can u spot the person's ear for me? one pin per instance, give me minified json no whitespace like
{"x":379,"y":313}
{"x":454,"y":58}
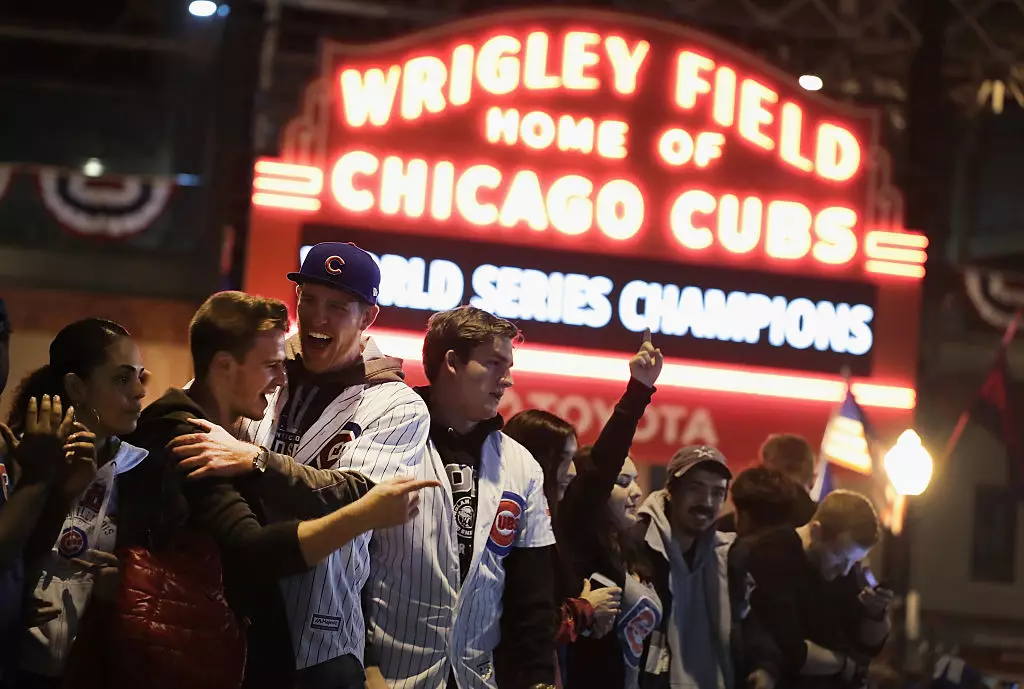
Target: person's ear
{"x":76,"y":390}
{"x":223,"y":364}
{"x":817,"y":535}
{"x":369,"y":316}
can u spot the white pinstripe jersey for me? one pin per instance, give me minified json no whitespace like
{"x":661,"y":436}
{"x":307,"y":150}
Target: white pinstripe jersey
{"x":377,"y":430}
{"x":421,"y":623}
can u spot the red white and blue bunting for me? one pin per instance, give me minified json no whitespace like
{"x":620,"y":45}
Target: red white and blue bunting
{"x":996,"y":295}
{"x":103,"y":207}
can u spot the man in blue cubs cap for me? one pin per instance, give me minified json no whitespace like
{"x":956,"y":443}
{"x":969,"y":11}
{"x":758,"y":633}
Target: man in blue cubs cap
{"x":345,"y":407}
{"x":338,"y":285}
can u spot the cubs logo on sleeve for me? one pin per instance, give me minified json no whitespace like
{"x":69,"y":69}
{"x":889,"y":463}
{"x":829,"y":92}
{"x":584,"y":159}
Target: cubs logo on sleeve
{"x":634,"y":626}
{"x":506,"y":523}
{"x":330,"y":455}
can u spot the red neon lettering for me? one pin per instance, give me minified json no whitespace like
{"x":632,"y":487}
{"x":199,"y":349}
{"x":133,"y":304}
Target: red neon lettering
{"x":723,"y":109}
{"x":369,"y":96}
{"x":343,"y":180}
{"x":837,"y":152}
{"x":577,"y":58}
{"x":460,"y":83}
{"x":626,"y":62}
{"x":467,"y":188}
{"x":786,"y":227}
{"x":535,"y":64}
{"x":442,"y":191}
{"x":788,"y":234}
{"x":838,"y":242}
{"x":497,"y":68}
{"x":502,"y":65}
{"x":524,"y":202}
{"x":423,"y":78}
{"x":690,"y":203}
{"x":739,"y":232}
{"x":611,"y":139}
{"x":575,"y":135}
{"x":690,"y":82}
{"x":753,"y":114}
{"x":620,"y":209}
{"x":790,"y":135}
{"x":403,"y":187}
{"x":538,"y":130}
{"x":677,"y":148}
{"x":571,"y":204}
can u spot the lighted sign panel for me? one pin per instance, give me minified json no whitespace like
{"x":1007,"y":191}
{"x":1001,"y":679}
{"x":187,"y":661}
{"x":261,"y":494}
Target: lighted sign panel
{"x":612,"y":134}
{"x":604,"y":302}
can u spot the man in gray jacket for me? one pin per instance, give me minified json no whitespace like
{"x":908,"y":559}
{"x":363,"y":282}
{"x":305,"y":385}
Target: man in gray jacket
{"x":703,"y":585}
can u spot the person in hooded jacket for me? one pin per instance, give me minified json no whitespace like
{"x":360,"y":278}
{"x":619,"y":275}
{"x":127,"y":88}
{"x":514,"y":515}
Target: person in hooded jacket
{"x":345,"y":407}
{"x":706,"y":638}
{"x":475,"y":567}
{"x":281,"y":518}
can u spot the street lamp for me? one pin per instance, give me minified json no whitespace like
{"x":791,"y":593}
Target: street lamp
{"x":909,"y":465}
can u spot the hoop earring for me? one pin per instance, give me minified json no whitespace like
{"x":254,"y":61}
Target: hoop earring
{"x":90,"y":413}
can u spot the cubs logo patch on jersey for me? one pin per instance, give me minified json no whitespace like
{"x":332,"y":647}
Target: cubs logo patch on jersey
{"x":330,"y":455}
{"x":73,"y":542}
{"x":506,"y":523}
{"x":635,"y":626}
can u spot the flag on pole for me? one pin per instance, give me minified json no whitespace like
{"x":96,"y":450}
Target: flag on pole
{"x":845,"y":444}
{"x":846,"y":437}
{"x":995,"y":409}
{"x":822,"y":479}
{"x":848,"y":442}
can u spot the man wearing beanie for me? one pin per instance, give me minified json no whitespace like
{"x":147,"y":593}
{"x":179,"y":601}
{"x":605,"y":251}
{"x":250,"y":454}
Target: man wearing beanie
{"x":707,"y":639}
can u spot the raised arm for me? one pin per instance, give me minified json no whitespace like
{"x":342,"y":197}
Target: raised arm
{"x":392,"y":442}
{"x":594,"y":481}
{"x":286,"y":547}
{"x":37,"y":455}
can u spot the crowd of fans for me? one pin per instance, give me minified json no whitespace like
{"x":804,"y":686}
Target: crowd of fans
{"x":298,"y":516}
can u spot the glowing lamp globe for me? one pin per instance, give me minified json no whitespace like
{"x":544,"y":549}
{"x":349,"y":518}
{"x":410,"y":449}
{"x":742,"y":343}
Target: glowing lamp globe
{"x":811,"y":82}
{"x":202,"y":8}
{"x":909,"y":465}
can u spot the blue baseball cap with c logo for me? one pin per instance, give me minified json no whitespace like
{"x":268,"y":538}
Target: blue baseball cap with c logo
{"x":341,"y":265}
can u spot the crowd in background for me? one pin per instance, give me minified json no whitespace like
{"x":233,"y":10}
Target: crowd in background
{"x":298,"y":516}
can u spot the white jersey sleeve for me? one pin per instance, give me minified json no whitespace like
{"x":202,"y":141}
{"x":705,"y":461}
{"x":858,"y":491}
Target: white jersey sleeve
{"x":394,"y":440}
{"x":535,"y":525}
